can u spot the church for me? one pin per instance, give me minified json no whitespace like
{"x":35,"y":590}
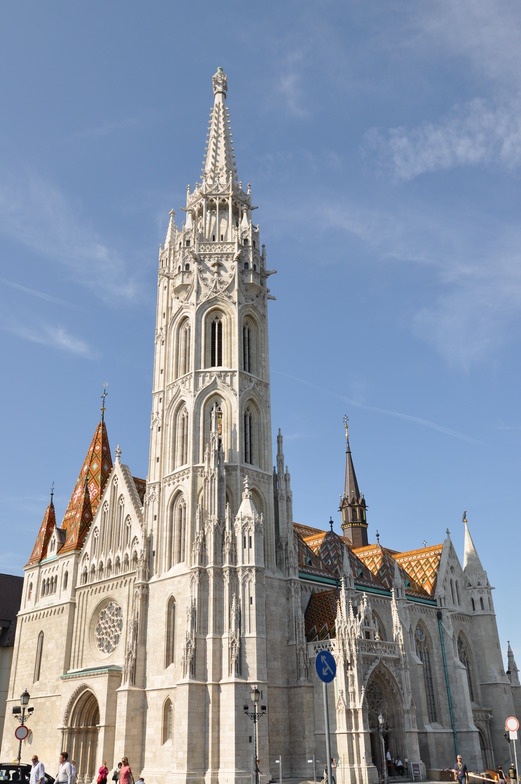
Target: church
{"x":157,"y":608}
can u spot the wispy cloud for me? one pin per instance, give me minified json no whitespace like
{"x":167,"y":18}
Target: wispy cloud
{"x":53,"y":337}
{"x":384,"y":411}
{"x":472,"y":134}
{"x":39,"y":215}
{"x":289,"y":84}
{"x":35,"y":293}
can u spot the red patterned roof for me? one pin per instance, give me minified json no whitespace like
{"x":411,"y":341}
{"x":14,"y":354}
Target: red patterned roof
{"x":422,"y":565}
{"x":320,"y":616}
{"x":42,"y":540}
{"x":380,"y":561}
{"x":87,"y":492}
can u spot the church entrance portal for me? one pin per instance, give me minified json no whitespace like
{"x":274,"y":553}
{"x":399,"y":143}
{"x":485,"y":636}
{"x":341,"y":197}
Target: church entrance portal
{"x":385,"y":719}
{"x":81,"y":736}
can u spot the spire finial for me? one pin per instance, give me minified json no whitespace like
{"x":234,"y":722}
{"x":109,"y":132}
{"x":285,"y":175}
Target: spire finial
{"x":464,"y":518}
{"x":331,"y":523}
{"x":378,"y":537}
{"x":104,"y":395}
{"x":346,"y":420}
{"x":219,"y":82}
{"x":52,"y":494}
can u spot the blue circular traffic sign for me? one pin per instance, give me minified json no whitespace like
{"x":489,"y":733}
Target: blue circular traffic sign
{"x":325,"y":666}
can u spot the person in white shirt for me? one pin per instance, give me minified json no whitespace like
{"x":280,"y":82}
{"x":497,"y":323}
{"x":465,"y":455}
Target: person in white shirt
{"x":64,"y":775}
{"x":37,"y":771}
{"x":73,"y":771}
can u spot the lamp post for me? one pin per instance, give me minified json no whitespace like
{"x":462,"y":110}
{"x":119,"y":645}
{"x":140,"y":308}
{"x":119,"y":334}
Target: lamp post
{"x":381,"y":728}
{"x":20,"y":733}
{"x":254,"y":715}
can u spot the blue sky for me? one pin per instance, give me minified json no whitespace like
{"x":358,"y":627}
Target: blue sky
{"x":383,"y":144}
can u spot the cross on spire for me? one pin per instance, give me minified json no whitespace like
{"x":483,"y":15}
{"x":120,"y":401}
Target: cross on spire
{"x":104,"y":395}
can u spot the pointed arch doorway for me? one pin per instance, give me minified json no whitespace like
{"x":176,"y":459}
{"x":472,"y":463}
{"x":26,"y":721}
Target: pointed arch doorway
{"x":81,"y":735}
{"x":385,"y":718}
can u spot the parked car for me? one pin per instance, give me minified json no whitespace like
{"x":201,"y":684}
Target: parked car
{"x":18,"y":774}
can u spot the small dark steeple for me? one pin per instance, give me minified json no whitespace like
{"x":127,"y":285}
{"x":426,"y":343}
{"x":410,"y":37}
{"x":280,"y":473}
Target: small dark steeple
{"x":352,"y":505}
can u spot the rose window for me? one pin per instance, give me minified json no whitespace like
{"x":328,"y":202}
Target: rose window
{"x":109,"y":626}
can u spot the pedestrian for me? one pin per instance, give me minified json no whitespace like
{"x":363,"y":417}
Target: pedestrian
{"x":398,"y":766}
{"x":500,"y":774}
{"x":103,"y":772}
{"x":73,"y":771}
{"x":115,"y":775}
{"x":64,"y":775}
{"x":37,"y":775}
{"x":140,"y":780}
{"x":461,"y":773}
{"x":125,"y":774}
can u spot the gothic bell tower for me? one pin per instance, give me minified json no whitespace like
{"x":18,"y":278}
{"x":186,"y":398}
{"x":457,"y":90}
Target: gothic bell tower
{"x":215,"y":559}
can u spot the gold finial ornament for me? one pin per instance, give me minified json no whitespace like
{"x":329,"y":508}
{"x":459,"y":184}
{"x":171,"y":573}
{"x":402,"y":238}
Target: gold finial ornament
{"x":464,"y":518}
{"x":346,"y":420}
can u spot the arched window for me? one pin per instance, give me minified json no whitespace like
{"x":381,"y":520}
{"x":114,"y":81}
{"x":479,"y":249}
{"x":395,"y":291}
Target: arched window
{"x":170,"y":632}
{"x":246,"y":348}
{"x":457,"y":591}
{"x":65,"y":580}
{"x":30,"y":592}
{"x":84,"y":576}
{"x":177,"y":532}
{"x":168,"y":715}
{"x":423,"y":652}
{"x":248,"y":436}
{"x":452,"y":591}
{"x":181,"y":438}
{"x":216,"y":341}
{"x":183,"y":348}
{"x":94,"y":546}
{"x":481,"y":603}
{"x":473,"y":604}
{"x":463,"y":654}
{"x":38,"y":659}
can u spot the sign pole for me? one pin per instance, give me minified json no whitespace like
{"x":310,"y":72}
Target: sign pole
{"x":325,"y":665}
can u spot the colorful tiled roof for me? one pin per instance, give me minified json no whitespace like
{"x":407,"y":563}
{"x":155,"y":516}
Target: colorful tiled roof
{"x":381,"y":563}
{"x":310,"y":563}
{"x":42,"y":540}
{"x":87,"y":492}
{"x":422,"y":566}
{"x":330,"y":548}
{"x":320,"y":616}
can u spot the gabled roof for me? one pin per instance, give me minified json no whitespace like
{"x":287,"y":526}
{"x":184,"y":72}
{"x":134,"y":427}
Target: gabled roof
{"x":87,"y":492}
{"x":422,"y":566}
{"x":380,"y":561}
{"x":42,"y":540}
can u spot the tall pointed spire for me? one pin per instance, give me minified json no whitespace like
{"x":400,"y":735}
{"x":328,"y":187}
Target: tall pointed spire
{"x":88,"y":489}
{"x":352,"y":505}
{"x":219,"y":165}
{"x":471,"y":560}
{"x":47,"y":527}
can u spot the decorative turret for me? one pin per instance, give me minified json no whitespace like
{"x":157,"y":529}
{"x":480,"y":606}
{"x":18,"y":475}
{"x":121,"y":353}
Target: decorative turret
{"x":476,"y":579}
{"x":352,"y":505}
{"x":47,"y":527}
{"x":512,"y":670}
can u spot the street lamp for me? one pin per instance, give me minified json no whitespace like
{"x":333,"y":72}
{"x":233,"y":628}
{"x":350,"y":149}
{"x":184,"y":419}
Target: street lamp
{"x":254,"y":715}
{"x":381,"y":729}
{"x":22,"y":732}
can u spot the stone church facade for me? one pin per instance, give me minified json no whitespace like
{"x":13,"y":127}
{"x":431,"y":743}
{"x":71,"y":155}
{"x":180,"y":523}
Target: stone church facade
{"x":156,"y":605}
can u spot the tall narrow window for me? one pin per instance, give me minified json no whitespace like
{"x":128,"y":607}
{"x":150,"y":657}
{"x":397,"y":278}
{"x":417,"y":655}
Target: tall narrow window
{"x":38,"y":659}
{"x":465,"y":660}
{"x":170,"y":632}
{"x":246,"y":348}
{"x":216,"y":342}
{"x":424,"y":654}
{"x":179,"y":530}
{"x":248,"y":436}
{"x":168,"y":715}
{"x":183,"y":348}
{"x":181,"y":438}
